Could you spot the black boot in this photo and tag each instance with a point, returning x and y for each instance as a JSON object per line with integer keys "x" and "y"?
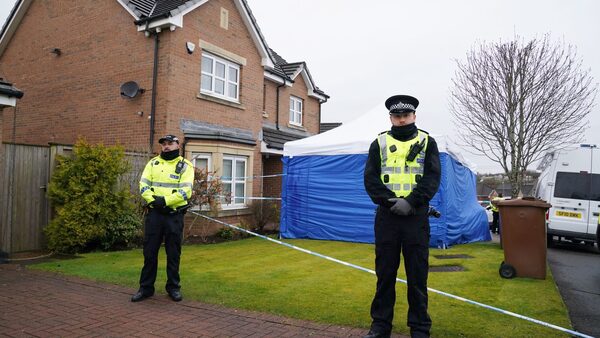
{"x": 377, "y": 333}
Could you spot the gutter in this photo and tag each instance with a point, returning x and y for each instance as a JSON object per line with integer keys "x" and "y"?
{"x": 277, "y": 106}
{"x": 147, "y": 20}
{"x": 154, "y": 80}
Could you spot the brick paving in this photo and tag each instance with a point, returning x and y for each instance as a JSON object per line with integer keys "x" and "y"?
{"x": 42, "y": 304}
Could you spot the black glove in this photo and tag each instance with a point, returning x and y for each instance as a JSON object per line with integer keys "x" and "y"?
{"x": 159, "y": 202}
{"x": 401, "y": 207}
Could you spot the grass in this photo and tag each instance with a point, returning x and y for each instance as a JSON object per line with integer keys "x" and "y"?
{"x": 258, "y": 275}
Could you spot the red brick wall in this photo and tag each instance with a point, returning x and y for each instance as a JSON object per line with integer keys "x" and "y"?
{"x": 310, "y": 113}
{"x": 272, "y": 185}
{"x": 77, "y": 93}
{"x": 299, "y": 89}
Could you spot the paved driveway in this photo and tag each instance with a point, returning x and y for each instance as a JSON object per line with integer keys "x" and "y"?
{"x": 576, "y": 271}
{"x": 42, "y": 304}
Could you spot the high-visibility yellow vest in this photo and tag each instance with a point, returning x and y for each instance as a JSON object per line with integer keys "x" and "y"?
{"x": 493, "y": 207}
{"x": 398, "y": 174}
{"x": 160, "y": 178}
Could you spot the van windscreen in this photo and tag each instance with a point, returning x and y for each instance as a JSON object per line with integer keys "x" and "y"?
{"x": 581, "y": 186}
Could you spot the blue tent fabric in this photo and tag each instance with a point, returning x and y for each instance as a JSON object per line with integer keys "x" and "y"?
{"x": 323, "y": 197}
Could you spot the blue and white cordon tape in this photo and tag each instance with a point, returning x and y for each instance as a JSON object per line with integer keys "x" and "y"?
{"x": 552, "y": 326}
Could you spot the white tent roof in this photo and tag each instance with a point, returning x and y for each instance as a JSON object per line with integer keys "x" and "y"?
{"x": 355, "y": 137}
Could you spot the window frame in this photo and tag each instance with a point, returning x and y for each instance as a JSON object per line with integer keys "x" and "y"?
{"x": 202, "y": 155}
{"x": 234, "y": 180}
{"x": 226, "y": 79}
{"x": 208, "y": 156}
{"x": 296, "y": 116}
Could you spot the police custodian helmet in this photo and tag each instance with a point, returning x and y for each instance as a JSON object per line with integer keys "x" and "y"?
{"x": 401, "y": 104}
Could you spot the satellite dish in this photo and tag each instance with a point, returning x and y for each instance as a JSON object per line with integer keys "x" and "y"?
{"x": 131, "y": 89}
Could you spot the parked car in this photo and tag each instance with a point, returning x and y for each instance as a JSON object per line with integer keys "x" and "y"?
{"x": 486, "y": 205}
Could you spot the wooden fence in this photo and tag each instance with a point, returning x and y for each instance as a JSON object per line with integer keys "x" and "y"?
{"x": 24, "y": 207}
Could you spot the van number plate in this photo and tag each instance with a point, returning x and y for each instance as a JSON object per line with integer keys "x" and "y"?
{"x": 568, "y": 214}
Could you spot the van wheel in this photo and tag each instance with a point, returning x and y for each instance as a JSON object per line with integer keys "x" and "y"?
{"x": 507, "y": 271}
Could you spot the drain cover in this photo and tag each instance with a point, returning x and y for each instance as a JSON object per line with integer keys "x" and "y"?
{"x": 446, "y": 268}
{"x": 452, "y": 256}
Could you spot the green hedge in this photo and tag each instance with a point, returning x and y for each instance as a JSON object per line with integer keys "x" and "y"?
{"x": 91, "y": 209}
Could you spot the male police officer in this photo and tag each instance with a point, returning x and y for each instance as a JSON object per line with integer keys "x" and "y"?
{"x": 166, "y": 185}
{"x": 402, "y": 174}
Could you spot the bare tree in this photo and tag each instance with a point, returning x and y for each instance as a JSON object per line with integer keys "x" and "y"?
{"x": 514, "y": 101}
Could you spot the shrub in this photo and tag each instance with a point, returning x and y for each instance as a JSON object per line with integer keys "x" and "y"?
{"x": 225, "y": 233}
{"x": 263, "y": 213}
{"x": 90, "y": 208}
{"x": 206, "y": 193}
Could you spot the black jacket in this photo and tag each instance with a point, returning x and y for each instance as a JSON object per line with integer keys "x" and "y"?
{"x": 426, "y": 187}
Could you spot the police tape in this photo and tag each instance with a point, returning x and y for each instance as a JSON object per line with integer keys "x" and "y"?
{"x": 247, "y": 178}
{"x": 251, "y": 198}
{"x": 533, "y": 320}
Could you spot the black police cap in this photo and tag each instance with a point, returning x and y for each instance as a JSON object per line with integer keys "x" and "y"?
{"x": 169, "y": 137}
{"x": 401, "y": 104}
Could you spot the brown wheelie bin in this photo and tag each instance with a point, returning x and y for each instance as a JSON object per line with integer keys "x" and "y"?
{"x": 523, "y": 233}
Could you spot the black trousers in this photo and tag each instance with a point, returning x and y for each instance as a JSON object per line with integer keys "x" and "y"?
{"x": 495, "y": 222}
{"x": 408, "y": 235}
{"x": 157, "y": 227}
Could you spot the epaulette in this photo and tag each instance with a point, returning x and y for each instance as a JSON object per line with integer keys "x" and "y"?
{"x": 424, "y": 131}
{"x": 383, "y": 132}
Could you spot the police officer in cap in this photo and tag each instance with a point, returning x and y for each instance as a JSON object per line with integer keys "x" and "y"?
{"x": 166, "y": 186}
{"x": 401, "y": 176}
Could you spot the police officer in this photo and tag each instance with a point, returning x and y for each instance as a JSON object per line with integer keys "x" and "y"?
{"x": 166, "y": 185}
{"x": 401, "y": 176}
{"x": 495, "y": 228}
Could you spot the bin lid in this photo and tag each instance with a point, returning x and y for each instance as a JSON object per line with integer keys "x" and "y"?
{"x": 524, "y": 202}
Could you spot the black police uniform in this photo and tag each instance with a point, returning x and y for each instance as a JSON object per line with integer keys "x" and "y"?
{"x": 407, "y": 234}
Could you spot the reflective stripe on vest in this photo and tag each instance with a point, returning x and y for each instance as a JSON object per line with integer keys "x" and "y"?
{"x": 397, "y": 174}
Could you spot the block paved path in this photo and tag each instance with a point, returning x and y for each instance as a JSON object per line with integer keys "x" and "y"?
{"x": 43, "y": 304}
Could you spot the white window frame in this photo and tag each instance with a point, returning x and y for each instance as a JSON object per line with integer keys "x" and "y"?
{"x": 213, "y": 77}
{"x": 233, "y": 180}
{"x": 208, "y": 157}
{"x": 295, "y": 113}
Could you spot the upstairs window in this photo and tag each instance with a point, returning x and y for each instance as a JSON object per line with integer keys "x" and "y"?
{"x": 295, "y": 111}
{"x": 220, "y": 78}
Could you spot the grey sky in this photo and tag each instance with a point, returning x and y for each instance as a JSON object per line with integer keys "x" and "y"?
{"x": 362, "y": 52}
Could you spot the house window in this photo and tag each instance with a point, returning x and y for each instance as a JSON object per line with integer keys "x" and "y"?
{"x": 295, "y": 111}
{"x": 234, "y": 181}
{"x": 220, "y": 78}
{"x": 201, "y": 161}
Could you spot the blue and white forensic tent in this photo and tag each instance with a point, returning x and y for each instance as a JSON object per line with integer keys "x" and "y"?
{"x": 323, "y": 195}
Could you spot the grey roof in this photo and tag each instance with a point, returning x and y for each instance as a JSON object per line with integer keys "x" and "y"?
{"x": 287, "y": 69}
{"x": 279, "y": 62}
{"x": 207, "y": 131}
{"x": 156, "y": 8}
{"x": 275, "y": 138}
{"x": 7, "y": 89}
{"x": 326, "y": 126}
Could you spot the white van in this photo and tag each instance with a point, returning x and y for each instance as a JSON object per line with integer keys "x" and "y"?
{"x": 570, "y": 181}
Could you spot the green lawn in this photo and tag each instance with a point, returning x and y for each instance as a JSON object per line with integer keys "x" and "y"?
{"x": 258, "y": 275}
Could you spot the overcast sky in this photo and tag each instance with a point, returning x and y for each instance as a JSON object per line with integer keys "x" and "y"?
{"x": 362, "y": 52}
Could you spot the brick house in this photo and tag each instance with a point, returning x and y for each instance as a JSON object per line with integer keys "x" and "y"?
{"x": 200, "y": 69}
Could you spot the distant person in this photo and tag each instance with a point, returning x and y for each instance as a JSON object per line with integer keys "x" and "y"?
{"x": 495, "y": 228}
{"x": 166, "y": 185}
{"x": 401, "y": 176}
